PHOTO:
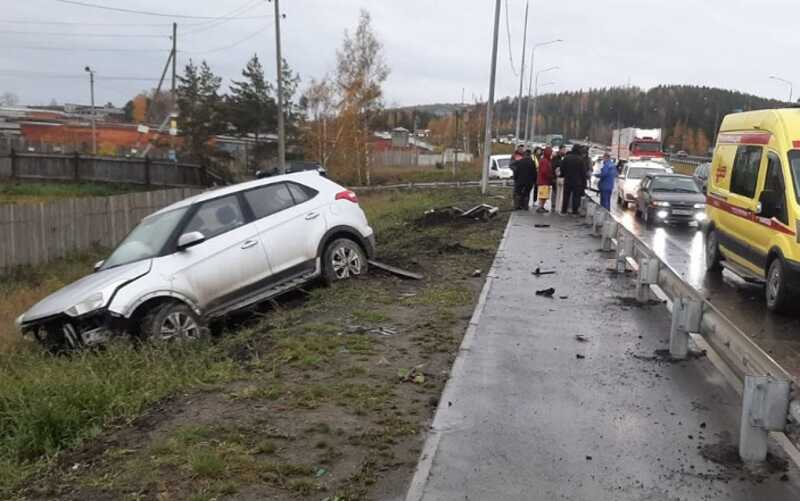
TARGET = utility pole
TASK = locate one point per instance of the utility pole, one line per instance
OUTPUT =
(522, 73)
(174, 59)
(281, 131)
(94, 118)
(535, 94)
(487, 140)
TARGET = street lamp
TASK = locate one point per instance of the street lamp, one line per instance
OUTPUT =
(787, 82)
(94, 127)
(535, 93)
(530, 81)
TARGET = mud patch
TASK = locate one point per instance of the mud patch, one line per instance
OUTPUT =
(729, 466)
(663, 357)
(631, 302)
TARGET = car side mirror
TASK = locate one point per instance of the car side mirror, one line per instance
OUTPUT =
(190, 239)
(770, 204)
(99, 264)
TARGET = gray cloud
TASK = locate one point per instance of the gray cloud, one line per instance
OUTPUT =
(434, 48)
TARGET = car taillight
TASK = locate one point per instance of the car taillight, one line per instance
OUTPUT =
(347, 195)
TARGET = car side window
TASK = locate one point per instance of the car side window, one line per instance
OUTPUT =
(216, 217)
(301, 193)
(269, 199)
(745, 170)
(774, 182)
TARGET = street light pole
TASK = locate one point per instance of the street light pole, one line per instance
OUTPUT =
(487, 140)
(787, 82)
(94, 126)
(281, 129)
(530, 85)
(522, 73)
(535, 94)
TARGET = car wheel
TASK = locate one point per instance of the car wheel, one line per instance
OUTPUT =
(776, 289)
(343, 259)
(713, 259)
(173, 322)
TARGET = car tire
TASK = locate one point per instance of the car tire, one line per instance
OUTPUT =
(343, 259)
(172, 322)
(713, 258)
(776, 289)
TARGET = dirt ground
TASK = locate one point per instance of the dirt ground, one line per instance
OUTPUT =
(338, 385)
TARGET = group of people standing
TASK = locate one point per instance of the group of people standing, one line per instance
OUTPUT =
(536, 175)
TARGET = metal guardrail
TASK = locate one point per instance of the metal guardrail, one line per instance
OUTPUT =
(770, 396)
(430, 185)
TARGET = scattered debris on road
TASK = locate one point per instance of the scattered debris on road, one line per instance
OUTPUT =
(579, 356)
(538, 272)
(395, 270)
(546, 292)
(481, 212)
(541, 225)
(581, 338)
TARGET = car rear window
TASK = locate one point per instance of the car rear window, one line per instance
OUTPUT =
(301, 193)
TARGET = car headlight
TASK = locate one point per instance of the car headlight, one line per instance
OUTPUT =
(699, 206)
(89, 304)
(659, 204)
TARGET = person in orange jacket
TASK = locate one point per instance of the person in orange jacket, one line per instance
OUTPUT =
(544, 178)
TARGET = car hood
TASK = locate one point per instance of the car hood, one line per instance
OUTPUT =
(674, 197)
(105, 281)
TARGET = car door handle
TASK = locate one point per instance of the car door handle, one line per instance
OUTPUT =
(312, 215)
(249, 244)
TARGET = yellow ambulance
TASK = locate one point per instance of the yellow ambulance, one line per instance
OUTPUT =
(753, 203)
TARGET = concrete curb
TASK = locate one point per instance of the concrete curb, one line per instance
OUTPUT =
(418, 482)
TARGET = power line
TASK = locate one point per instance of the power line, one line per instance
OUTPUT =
(68, 34)
(205, 26)
(510, 52)
(149, 13)
(79, 49)
(77, 76)
(78, 23)
(219, 49)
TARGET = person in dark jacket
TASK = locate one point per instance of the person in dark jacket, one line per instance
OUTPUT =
(607, 175)
(556, 164)
(573, 168)
(524, 179)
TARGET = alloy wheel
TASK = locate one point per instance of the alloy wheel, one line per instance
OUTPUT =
(346, 262)
(179, 325)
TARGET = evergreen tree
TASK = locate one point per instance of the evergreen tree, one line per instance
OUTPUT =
(251, 107)
(199, 108)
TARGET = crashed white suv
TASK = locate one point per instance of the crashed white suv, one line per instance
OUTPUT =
(208, 255)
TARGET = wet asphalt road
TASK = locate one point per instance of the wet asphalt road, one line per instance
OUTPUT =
(683, 248)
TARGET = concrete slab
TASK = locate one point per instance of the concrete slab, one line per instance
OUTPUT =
(532, 413)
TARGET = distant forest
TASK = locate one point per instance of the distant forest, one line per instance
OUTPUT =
(689, 116)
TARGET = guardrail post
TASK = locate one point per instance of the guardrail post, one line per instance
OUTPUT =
(624, 250)
(609, 231)
(599, 219)
(590, 210)
(765, 405)
(686, 316)
(648, 274)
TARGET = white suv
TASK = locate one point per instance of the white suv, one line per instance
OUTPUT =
(208, 255)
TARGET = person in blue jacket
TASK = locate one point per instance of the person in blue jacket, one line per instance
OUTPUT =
(607, 175)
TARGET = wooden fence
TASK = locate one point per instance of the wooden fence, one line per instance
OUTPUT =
(33, 234)
(82, 168)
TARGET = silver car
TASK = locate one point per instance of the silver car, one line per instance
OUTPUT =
(208, 255)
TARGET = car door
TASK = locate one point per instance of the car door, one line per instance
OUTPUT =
(217, 271)
(772, 180)
(291, 222)
(742, 225)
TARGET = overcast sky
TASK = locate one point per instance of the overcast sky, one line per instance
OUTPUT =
(433, 47)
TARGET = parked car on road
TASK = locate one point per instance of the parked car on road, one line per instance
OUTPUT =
(209, 255)
(632, 174)
(701, 176)
(670, 198)
(499, 167)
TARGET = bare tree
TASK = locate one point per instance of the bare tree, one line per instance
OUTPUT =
(9, 99)
(360, 73)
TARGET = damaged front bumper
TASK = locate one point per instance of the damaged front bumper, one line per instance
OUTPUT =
(60, 332)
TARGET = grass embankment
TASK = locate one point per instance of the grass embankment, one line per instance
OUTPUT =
(34, 192)
(304, 399)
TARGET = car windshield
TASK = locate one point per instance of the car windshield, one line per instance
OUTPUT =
(147, 239)
(651, 147)
(794, 162)
(679, 184)
(640, 172)
(503, 163)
